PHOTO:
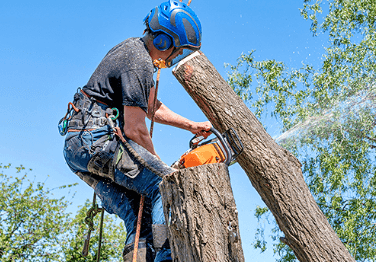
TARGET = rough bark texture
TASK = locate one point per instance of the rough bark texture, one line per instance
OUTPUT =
(273, 171)
(202, 213)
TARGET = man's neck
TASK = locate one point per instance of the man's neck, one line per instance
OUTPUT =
(150, 47)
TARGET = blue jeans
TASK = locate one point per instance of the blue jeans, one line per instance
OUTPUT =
(116, 196)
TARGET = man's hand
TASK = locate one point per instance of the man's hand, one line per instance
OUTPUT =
(201, 129)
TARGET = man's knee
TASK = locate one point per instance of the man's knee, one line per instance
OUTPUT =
(144, 252)
(91, 180)
(160, 236)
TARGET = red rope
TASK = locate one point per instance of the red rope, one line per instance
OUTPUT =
(138, 230)
(160, 64)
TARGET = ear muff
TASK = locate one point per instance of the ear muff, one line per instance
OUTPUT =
(162, 42)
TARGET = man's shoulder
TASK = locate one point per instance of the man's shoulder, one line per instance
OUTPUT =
(133, 52)
(130, 43)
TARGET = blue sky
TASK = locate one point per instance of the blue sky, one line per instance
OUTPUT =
(50, 48)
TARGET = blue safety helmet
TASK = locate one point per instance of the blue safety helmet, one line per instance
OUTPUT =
(174, 23)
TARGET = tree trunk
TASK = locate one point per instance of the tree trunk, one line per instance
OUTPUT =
(273, 171)
(203, 217)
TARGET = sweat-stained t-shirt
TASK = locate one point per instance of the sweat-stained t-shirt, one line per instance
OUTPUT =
(124, 76)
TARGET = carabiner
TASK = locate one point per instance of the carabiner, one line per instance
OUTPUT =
(63, 126)
(117, 113)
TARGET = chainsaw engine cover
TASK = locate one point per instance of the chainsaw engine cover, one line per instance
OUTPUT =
(205, 154)
(223, 149)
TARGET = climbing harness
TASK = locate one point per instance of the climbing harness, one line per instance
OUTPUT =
(88, 115)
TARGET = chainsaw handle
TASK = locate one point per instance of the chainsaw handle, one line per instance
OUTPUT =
(224, 144)
(193, 143)
(196, 140)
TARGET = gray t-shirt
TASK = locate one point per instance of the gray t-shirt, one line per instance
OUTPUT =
(124, 76)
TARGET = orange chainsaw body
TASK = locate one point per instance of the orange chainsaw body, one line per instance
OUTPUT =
(205, 154)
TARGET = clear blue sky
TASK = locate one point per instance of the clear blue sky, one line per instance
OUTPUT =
(49, 48)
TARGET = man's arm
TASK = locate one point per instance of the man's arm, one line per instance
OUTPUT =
(164, 115)
(135, 127)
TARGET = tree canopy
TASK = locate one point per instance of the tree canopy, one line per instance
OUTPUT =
(327, 115)
(36, 226)
(30, 221)
(113, 238)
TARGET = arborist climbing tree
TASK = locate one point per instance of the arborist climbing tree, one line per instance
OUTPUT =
(107, 142)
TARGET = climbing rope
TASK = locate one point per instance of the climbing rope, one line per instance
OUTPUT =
(89, 220)
(135, 154)
(100, 235)
(159, 64)
(138, 229)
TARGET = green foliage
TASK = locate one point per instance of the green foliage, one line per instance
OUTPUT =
(260, 237)
(35, 226)
(275, 85)
(30, 221)
(328, 119)
(113, 238)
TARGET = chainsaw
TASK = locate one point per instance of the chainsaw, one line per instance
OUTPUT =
(223, 149)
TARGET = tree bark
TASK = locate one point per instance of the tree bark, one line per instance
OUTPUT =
(202, 213)
(273, 171)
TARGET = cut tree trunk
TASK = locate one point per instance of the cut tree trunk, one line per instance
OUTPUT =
(273, 171)
(200, 206)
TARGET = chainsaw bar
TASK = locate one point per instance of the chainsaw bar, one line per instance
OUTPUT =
(234, 142)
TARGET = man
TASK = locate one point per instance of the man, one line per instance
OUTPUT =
(123, 83)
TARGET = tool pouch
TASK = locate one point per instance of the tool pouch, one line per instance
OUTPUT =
(101, 162)
(125, 162)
